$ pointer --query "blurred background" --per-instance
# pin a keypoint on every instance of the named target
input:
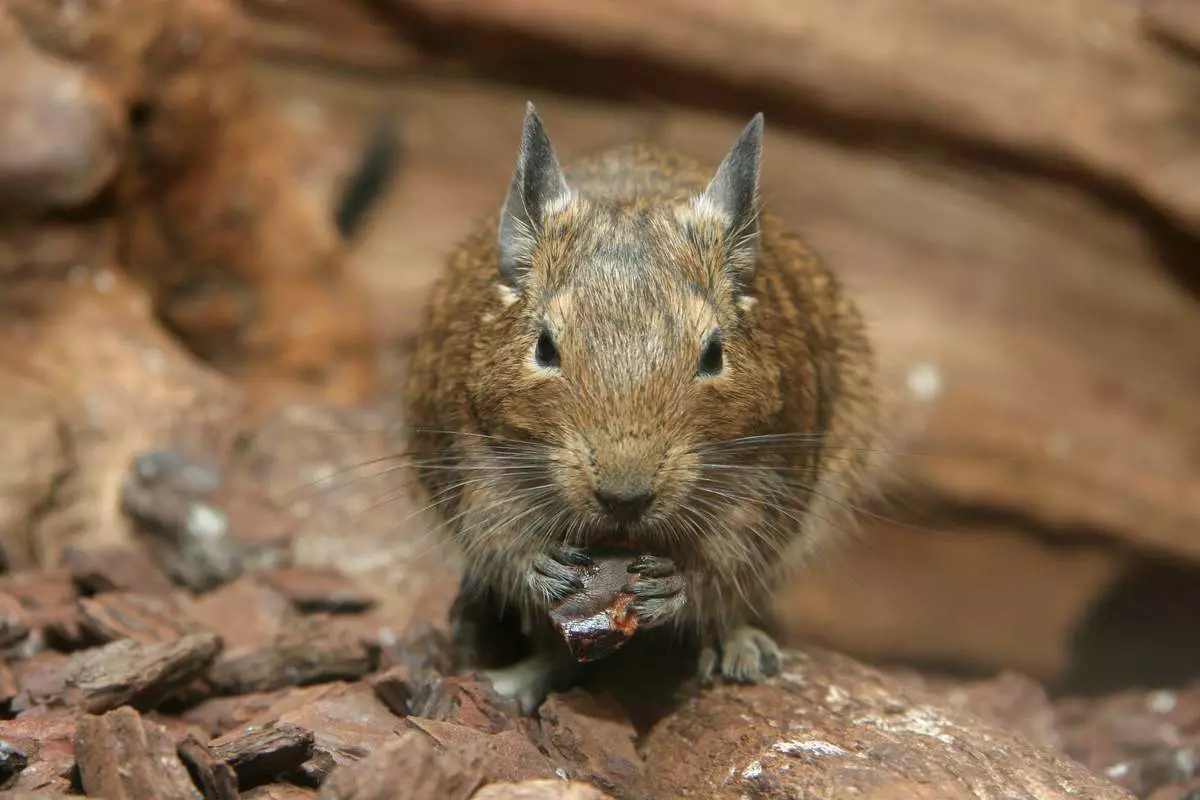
(1011, 190)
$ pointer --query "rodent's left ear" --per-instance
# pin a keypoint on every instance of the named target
(733, 195)
(537, 187)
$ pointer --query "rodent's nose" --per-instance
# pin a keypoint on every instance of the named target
(625, 506)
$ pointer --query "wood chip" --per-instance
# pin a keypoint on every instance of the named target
(556, 789)
(124, 757)
(464, 700)
(14, 621)
(245, 613)
(597, 621)
(395, 687)
(312, 589)
(8, 686)
(12, 762)
(110, 568)
(144, 618)
(280, 791)
(410, 760)
(48, 744)
(260, 756)
(313, 652)
(216, 779)
(138, 674)
(35, 590)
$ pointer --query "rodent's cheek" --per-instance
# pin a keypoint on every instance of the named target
(571, 469)
(677, 478)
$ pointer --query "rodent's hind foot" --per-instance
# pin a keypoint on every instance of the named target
(528, 681)
(550, 575)
(744, 655)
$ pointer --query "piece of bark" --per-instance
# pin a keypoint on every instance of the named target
(464, 700)
(9, 688)
(143, 618)
(205, 532)
(141, 675)
(14, 621)
(507, 756)
(48, 743)
(1145, 741)
(540, 790)
(1175, 21)
(218, 715)
(395, 687)
(829, 721)
(40, 678)
(260, 756)
(111, 568)
(62, 132)
(245, 613)
(280, 791)
(598, 621)
(215, 779)
(38, 589)
(596, 739)
(124, 757)
(12, 762)
(346, 726)
(313, 589)
(310, 652)
(410, 760)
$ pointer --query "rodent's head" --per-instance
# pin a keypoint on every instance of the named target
(626, 341)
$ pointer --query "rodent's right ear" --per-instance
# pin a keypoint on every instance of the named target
(538, 187)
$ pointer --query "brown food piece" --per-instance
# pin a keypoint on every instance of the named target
(598, 621)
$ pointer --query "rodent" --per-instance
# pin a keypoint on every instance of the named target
(634, 352)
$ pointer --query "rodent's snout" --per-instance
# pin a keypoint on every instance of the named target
(626, 505)
(623, 478)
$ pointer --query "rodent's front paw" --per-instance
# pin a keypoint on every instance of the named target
(550, 575)
(745, 655)
(660, 590)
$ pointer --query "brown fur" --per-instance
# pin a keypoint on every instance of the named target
(631, 275)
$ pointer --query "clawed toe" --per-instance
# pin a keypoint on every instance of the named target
(745, 655)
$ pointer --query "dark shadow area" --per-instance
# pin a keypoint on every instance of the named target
(1143, 633)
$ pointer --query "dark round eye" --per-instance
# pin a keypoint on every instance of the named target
(712, 360)
(546, 352)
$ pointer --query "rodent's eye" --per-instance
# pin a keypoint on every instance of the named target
(546, 352)
(712, 359)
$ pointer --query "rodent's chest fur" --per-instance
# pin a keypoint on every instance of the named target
(810, 399)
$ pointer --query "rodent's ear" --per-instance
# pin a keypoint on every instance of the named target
(733, 196)
(538, 186)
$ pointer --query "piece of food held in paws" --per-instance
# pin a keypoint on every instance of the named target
(599, 620)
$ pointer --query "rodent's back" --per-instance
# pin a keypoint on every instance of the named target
(822, 394)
